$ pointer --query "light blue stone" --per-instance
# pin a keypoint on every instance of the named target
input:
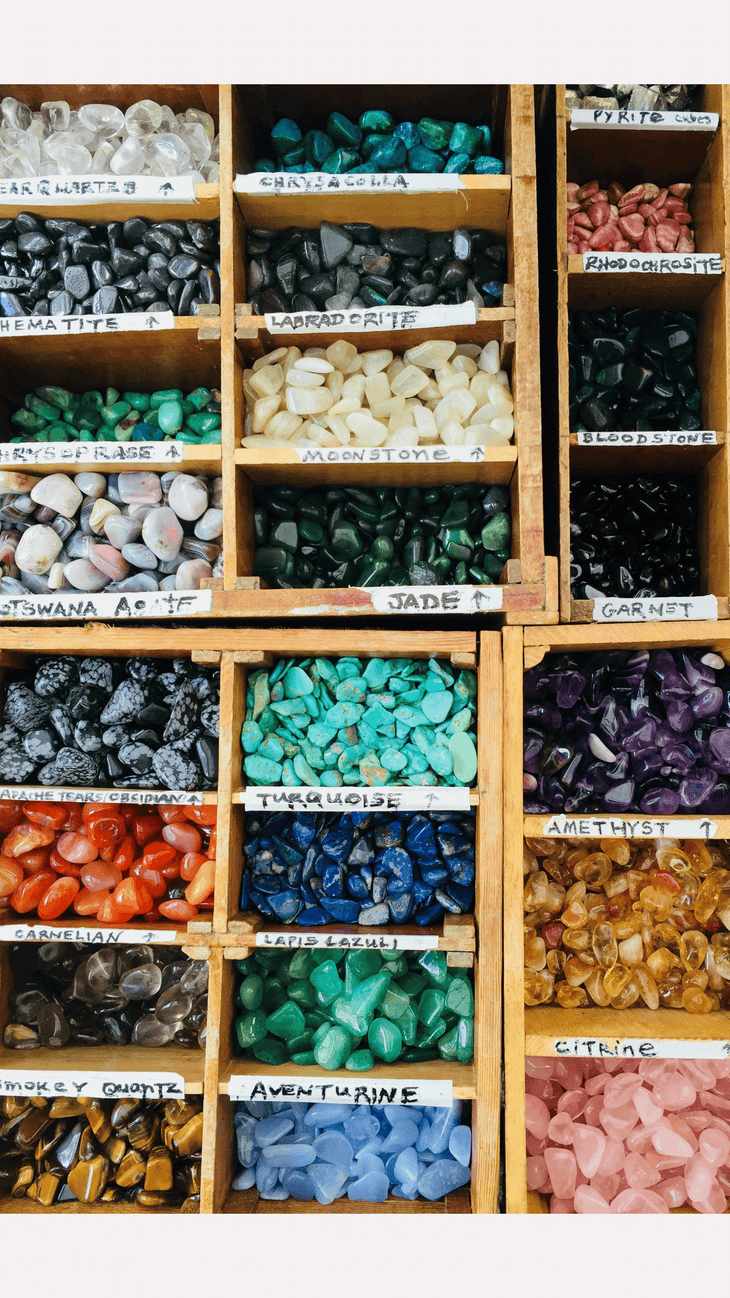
(251, 736)
(343, 714)
(304, 772)
(371, 1188)
(246, 1139)
(266, 1178)
(442, 1125)
(333, 1147)
(402, 1136)
(327, 1115)
(261, 770)
(269, 1130)
(406, 1167)
(298, 1185)
(277, 1193)
(393, 759)
(272, 749)
(245, 1179)
(460, 1145)
(436, 706)
(289, 1155)
(440, 760)
(297, 683)
(368, 1164)
(328, 1181)
(443, 1176)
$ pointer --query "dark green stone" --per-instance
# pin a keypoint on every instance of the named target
(434, 135)
(343, 131)
(346, 542)
(285, 136)
(376, 119)
(318, 147)
(285, 535)
(340, 161)
(465, 139)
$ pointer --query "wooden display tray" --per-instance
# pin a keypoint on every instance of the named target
(666, 157)
(534, 1030)
(231, 936)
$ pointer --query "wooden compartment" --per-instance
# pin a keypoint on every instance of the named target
(664, 156)
(503, 204)
(535, 1030)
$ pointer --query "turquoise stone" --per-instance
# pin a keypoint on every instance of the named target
(262, 771)
(464, 754)
(486, 135)
(251, 736)
(434, 134)
(318, 146)
(297, 683)
(423, 159)
(285, 136)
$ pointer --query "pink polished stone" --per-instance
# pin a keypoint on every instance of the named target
(84, 575)
(536, 1066)
(663, 1163)
(76, 848)
(612, 1159)
(589, 1145)
(714, 1146)
(675, 1092)
(639, 1141)
(109, 561)
(697, 1120)
(568, 1072)
(596, 1085)
(699, 1176)
(683, 1129)
(635, 1201)
(562, 1168)
(620, 1090)
(640, 1174)
(536, 1172)
(537, 1117)
(699, 1072)
(573, 1103)
(653, 1069)
(673, 1192)
(535, 1147)
(668, 1141)
(647, 1109)
(593, 1110)
(608, 1186)
(561, 1205)
(184, 838)
(618, 1123)
(716, 1104)
(588, 1199)
(544, 1090)
(561, 1129)
(100, 874)
(715, 1201)
(140, 488)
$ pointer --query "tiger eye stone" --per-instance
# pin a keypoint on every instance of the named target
(32, 1192)
(88, 1145)
(152, 1199)
(66, 1107)
(131, 1170)
(111, 1194)
(191, 1204)
(24, 1178)
(49, 1185)
(189, 1138)
(159, 1169)
(123, 1110)
(48, 1141)
(115, 1149)
(13, 1108)
(143, 1129)
(178, 1112)
(31, 1127)
(68, 1150)
(87, 1180)
(99, 1120)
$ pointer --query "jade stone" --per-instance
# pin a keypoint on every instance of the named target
(378, 143)
(413, 1007)
(340, 732)
(633, 369)
(53, 414)
(358, 536)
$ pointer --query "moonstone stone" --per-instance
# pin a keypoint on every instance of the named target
(37, 549)
(162, 532)
(190, 574)
(188, 497)
(58, 492)
(84, 575)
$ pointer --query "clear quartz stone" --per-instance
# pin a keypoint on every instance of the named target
(129, 158)
(168, 150)
(74, 160)
(197, 141)
(143, 117)
(16, 114)
(101, 161)
(205, 120)
(102, 119)
(56, 114)
(80, 134)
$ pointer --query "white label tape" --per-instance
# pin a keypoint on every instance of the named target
(58, 190)
(608, 826)
(90, 452)
(391, 454)
(27, 325)
(291, 183)
(95, 936)
(138, 797)
(66, 606)
(639, 1048)
(654, 263)
(435, 599)
(371, 318)
(366, 940)
(383, 798)
(653, 438)
(642, 119)
(340, 1091)
(698, 608)
(92, 1085)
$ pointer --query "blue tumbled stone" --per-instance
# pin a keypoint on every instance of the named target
(333, 881)
(344, 912)
(399, 864)
(302, 830)
(313, 916)
(338, 840)
(286, 906)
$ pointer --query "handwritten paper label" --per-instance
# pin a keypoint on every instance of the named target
(340, 1091)
(313, 798)
(641, 119)
(371, 318)
(290, 183)
(90, 452)
(65, 606)
(639, 1048)
(696, 609)
(654, 263)
(137, 797)
(96, 936)
(59, 190)
(367, 940)
(652, 438)
(152, 321)
(609, 826)
(392, 454)
(435, 599)
(92, 1085)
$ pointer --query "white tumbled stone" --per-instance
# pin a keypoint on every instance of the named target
(188, 497)
(162, 533)
(37, 549)
(58, 491)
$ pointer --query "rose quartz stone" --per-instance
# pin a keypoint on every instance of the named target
(536, 1171)
(634, 1201)
(673, 1192)
(699, 1176)
(675, 1092)
(535, 1147)
(668, 1141)
(612, 1159)
(588, 1199)
(639, 1173)
(561, 1205)
(617, 1123)
(714, 1202)
(573, 1102)
(620, 1090)
(76, 848)
(589, 1144)
(593, 1110)
(561, 1167)
(561, 1129)
(537, 1116)
(714, 1146)
(648, 1111)
(184, 838)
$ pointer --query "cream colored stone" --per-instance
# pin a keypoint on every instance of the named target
(426, 424)
(335, 383)
(341, 354)
(20, 483)
(271, 358)
(267, 380)
(307, 401)
(456, 407)
(367, 431)
(264, 410)
(292, 356)
(452, 434)
(505, 426)
(58, 492)
(373, 362)
(453, 383)
(313, 363)
(409, 381)
(284, 424)
(400, 420)
(268, 443)
(338, 426)
(404, 437)
(353, 389)
(430, 354)
(100, 513)
(344, 407)
(55, 577)
(377, 389)
(37, 549)
(489, 358)
(468, 349)
(304, 378)
(464, 365)
(384, 409)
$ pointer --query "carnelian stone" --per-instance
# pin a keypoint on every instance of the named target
(145, 828)
(153, 880)
(51, 814)
(180, 911)
(201, 815)
(58, 898)
(202, 885)
(73, 821)
(11, 813)
(29, 892)
(100, 874)
(212, 843)
(11, 874)
(107, 833)
(62, 866)
(77, 848)
(25, 836)
(110, 912)
(190, 865)
(156, 854)
(125, 853)
(132, 895)
(173, 815)
(38, 859)
(184, 838)
(89, 903)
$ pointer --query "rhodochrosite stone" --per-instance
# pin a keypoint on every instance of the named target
(628, 1136)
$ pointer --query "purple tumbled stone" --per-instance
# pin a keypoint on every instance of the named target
(717, 803)
(708, 703)
(694, 789)
(620, 797)
(698, 673)
(569, 689)
(679, 715)
(659, 801)
(620, 769)
(642, 735)
(680, 759)
(533, 748)
(544, 714)
(720, 749)
(645, 765)
(674, 686)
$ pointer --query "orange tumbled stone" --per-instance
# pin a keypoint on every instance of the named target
(158, 854)
(90, 903)
(25, 836)
(51, 814)
(202, 885)
(11, 813)
(100, 874)
(153, 880)
(126, 853)
(132, 895)
(180, 911)
(145, 828)
(11, 874)
(184, 838)
(190, 864)
(38, 859)
(201, 815)
(110, 912)
(77, 848)
(58, 898)
(29, 892)
(73, 821)
(62, 866)
(173, 815)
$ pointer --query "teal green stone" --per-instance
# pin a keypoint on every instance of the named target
(385, 1040)
(496, 532)
(464, 754)
(297, 683)
(424, 160)
(363, 964)
(290, 708)
(304, 772)
(459, 164)
(265, 164)
(408, 1024)
(433, 964)
(343, 131)
(251, 736)
(318, 147)
(164, 394)
(270, 1051)
(441, 761)
(305, 1058)
(488, 167)
(170, 416)
(460, 998)
(251, 992)
(369, 993)
(26, 419)
(112, 414)
(251, 1028)
(393, 760)
(340, 161)
(430, 1006)
(261, 770)
(198, 399)
(465, 1041)
(395, 1002)
(261, 694)
(285, 136)
(326, 982)
(302, 993)
(356, 1024)
(351, 690)
(204, 422)
(333, 1048)
(295, 159)
(390, 154)
(437, 706)
(376, 673)
(428, 1035)
(301, 964)
(360, 1061)
(434, 134)
(287, 1021)
(465, 139)
(456, 514)
(343, 714)
(376, 119)
(486, 135)
(59, 397)
(374, 573)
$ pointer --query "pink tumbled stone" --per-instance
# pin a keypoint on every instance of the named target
(612, 1159)
(645, 1106)
(184, 838)
(562, 1168)
(673, 1192)
(698, 1071)
(537, 1066)
(635, 1201)
(589, 1145)
(596, 1085)
(639, 1140)
(561, 1129)
(109, 561)
(84, 575)
(536, 1172)
(668, 1141)
(593, 1110)
(588, 1199)
(714, 1146)
(639, 1173)
(534, 1146)
(573, 1102)
(76, 848)
(675, 1092)
(617, 1123)
(608, 1186)
(537, 1117)
(190, 574)
(620, 1090)
(560, 1205)
(714, 1202)
(699, 1177)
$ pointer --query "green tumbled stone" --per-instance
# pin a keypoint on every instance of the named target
(459, 998)
(459, 164)
(496, 532)
(422, 159)
(385, 1040)
(429, 1034)
(318, 146)
(465, 139)
(265, 164)
(488, 166)
(295, 159)
(170, 415)
(287, 1021)
(112, 414)
(270, 1051)
(285, 535)
(343, 131)
(394, 1003)
(433, 964)
(389, 154)
(311, 531)
(361, 1061)
(434, 134)
(369, 993)
(333, 1048)
(251, 1028)
(269, 561)
(346, 542)
(340, 161)
(302, 993)
(431, 1006)
(343, 1014)
(464, 754)
(326, 982)
(59, 397)
(465, 1041)
(376, 119)
(251, 992)
(285, 136)
(362, 964)
(261, 770)
(305, 1059)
